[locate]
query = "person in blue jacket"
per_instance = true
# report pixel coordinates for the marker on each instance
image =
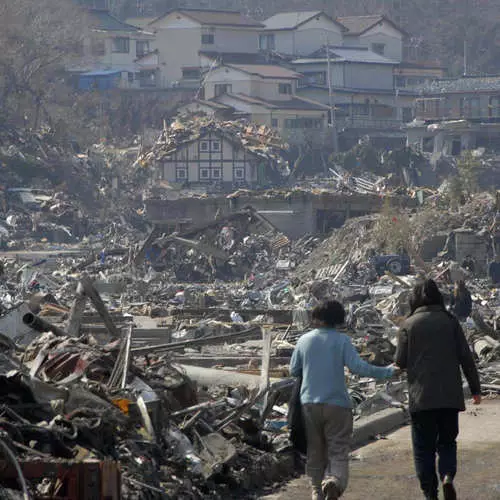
(319, 358)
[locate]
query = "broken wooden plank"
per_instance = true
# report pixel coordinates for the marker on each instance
(99, 305)
(126, 356)
(77, 309)
(214, 339)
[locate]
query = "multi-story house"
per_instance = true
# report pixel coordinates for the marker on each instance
(182, 35)
(456, 114)
(412, 75)
(266, 94)
(299, 33)
(213, 157)
(359, 85)
(376, 33)
(115, 54)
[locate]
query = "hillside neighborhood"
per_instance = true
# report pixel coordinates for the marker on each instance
(294, 71)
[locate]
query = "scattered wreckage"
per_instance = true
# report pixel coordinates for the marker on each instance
(144, 364)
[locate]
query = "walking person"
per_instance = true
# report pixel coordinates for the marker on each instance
(432, 347)
(319, 359)
(461, 301)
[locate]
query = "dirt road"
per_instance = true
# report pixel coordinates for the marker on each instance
(384, 470)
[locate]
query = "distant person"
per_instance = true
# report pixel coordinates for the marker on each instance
(494, 271)
(468, 264)
(461, 301)
(432, 347)
(319, 359)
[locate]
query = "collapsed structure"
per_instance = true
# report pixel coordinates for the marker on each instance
(145, 355)
(200, 150)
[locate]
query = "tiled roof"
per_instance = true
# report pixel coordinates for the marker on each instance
(464, 84)
(357, 25)
(266, 70)
(346, 54)
(140, 22)
(235, 57)
(295, 103)
(290, 20)
(104, 21)
(216, 17)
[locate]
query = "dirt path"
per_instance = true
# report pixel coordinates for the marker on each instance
(384, 470)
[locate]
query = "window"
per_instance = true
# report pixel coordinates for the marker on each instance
(181, 174)
(215, 146)
(313, 78)
(191, 73)
(285, 88)
(141, 47)
(239, 173)
(494, 107)
(295, 123)
(399, 82)
(204, 146)
(98, 47)
(378, 48)
(216, 173)
(407, 115)
(147, 78)
(415, 81)
(470, 107)
(130, 77)
(204, 173)
(222, 88)
(207, 39)
(121, 45)
(274, 123)
(474, 107)
(267, 42)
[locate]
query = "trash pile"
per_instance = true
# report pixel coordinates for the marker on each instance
(257, 139)
(155, 362)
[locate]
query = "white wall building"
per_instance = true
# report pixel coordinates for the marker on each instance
(117, 52)
(299, 33)
(377, 33)
(182, 34)
(265, 94)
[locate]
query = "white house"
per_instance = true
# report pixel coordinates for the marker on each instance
(212, 157)
(182, 34)
(377, 33)
(300, 33)
(266, 94)
(115, 54)
(112, 53)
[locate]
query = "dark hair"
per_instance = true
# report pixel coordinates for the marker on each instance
(426, 293)
(330, 313)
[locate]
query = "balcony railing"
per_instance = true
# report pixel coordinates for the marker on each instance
(366, 122)
(490, 113)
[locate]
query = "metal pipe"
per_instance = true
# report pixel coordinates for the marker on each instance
(40, 325)
(22, 481)
(211, 340)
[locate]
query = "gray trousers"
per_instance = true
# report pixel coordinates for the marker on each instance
(329, 435)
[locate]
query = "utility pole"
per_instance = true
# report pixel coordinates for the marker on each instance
(465, 57)
(331, 100)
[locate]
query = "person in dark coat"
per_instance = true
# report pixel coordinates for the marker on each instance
(461, 301)
(494, 271)
(432, 348)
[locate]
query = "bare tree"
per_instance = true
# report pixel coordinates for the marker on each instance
(39, 38)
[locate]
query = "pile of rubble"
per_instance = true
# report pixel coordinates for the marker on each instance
(156, 364)
(257, 139)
